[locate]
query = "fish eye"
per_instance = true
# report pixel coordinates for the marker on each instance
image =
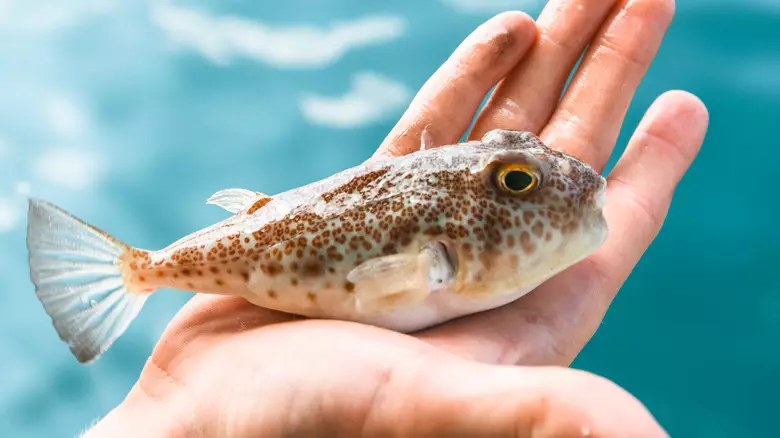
(517, 178)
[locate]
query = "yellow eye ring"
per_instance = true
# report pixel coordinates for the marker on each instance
(517, 178)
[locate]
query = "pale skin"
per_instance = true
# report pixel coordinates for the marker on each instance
(226, 368)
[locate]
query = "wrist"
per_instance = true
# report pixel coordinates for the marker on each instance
(141, 415)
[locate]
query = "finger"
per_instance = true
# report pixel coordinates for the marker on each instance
(204, 317)
(643, 183)
(467, 399)
(588, 120)
(552, 324)
(226, 313)
(447, 102)
(527, 97)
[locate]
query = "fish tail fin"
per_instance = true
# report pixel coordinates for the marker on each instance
(77, 271)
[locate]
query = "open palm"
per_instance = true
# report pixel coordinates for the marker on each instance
(228, 368)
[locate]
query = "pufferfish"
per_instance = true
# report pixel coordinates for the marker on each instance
(402, 243)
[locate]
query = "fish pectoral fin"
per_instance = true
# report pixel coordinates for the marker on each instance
(386, 283)
(236, 200)
(386, 303)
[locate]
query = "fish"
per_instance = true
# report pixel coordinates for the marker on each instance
(402, 243)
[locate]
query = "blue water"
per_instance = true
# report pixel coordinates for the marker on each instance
(104, 111)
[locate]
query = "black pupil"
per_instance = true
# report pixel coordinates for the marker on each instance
(518, 180)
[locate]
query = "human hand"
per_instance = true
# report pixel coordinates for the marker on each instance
(224, 367)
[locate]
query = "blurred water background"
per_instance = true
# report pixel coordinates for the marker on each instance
(131, 113)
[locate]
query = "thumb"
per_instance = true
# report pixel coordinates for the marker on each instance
(469, 399)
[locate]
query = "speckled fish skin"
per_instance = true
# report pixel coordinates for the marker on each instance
(295, 252)
(402, 243)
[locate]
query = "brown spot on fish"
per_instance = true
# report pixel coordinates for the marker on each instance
(259, 204)
(272, 268)
(486, 258)
(389, 249)
(526, 243)
(311, 297)
(349, 287)
(271, 293)
(334, 254)
(514, 261)
(528, 216)
(312, 268)
(538, 229)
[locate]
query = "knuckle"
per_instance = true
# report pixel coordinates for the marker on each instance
(577, 135)
(554, 44)
(631, 55)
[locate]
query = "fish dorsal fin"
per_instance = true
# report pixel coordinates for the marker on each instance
(236, 200)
